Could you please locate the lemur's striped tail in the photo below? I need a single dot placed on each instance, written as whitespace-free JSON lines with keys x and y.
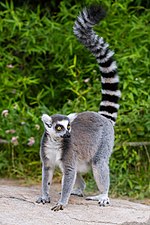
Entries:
{"x":83,"y":30}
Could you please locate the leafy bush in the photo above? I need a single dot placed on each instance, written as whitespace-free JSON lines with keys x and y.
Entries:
{"x":45,"y":70}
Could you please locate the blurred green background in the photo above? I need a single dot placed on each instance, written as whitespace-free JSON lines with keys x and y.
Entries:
{"x":44,"y":69}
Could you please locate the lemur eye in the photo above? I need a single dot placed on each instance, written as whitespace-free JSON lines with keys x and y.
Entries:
{"x":68,"y":127}
{"x":58,"y":127}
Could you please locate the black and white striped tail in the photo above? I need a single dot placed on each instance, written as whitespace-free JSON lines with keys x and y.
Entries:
{"x":83,"y":30}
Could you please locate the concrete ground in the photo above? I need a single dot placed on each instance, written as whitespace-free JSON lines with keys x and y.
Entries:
{"x":18,"y":207}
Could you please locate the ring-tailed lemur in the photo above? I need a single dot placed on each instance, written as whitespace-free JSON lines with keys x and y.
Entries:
{"x":77,"y":141}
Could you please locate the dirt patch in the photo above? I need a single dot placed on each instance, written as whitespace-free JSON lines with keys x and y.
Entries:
{"x":18,"y":207}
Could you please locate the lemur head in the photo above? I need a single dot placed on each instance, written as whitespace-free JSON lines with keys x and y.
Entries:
{"x":58,"y":126}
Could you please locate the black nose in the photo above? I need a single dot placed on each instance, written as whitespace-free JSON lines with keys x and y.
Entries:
{"x":66,"y":135}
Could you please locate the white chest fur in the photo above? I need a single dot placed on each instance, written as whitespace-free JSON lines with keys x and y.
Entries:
{"x":53,"y":152}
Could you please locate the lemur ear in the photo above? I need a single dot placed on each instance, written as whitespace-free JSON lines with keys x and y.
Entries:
{"x":72,"y":116}
{"x":46,"y":119}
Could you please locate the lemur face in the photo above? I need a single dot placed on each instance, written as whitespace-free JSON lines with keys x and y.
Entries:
{"x":58,"y":126}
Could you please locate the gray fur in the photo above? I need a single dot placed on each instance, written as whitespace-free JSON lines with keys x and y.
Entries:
{"x":90,"y":144}
{"x":79,"y":141}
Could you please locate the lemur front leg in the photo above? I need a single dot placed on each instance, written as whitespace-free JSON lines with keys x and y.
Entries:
{"x":47,"y":175}
{"x":101,"y":175}
{"x":68,"y":180}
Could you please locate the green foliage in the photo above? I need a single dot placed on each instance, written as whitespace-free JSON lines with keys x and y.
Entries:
{"x":45,"y":70}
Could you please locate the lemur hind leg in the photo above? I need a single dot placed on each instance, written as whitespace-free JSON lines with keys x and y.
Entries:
{"x":79,"y":186}
{"x":101,"y":175}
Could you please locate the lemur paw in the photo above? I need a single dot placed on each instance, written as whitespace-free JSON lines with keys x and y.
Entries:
{"x":43,"y":200}
{"x":103,"y":201}
{"x":58,"y":207}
